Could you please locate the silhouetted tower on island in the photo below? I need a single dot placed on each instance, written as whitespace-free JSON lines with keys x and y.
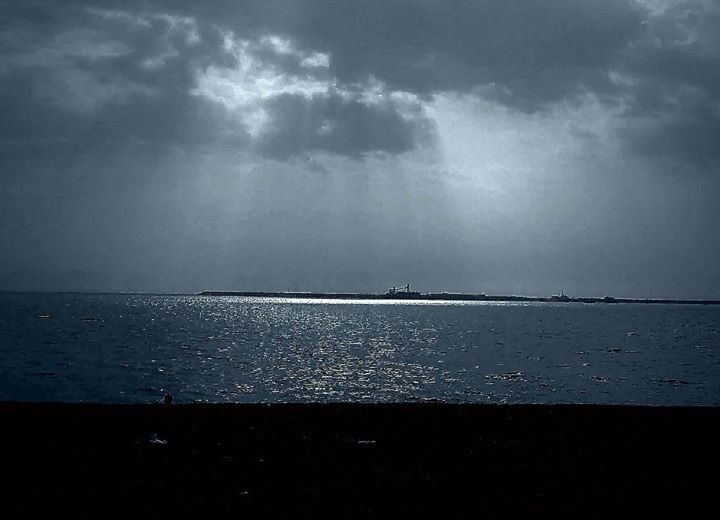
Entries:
{"x":394,"y":290}
{"x":404,"y":292}
{"x":562,"y":297}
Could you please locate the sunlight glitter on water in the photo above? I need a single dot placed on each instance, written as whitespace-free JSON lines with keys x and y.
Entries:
{"x":133,"y":348}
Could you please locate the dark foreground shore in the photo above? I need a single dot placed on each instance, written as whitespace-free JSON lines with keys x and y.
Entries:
{"x":340,"y":461}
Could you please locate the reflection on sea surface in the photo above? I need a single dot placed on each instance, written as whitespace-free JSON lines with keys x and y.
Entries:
{"x":133,"y":348}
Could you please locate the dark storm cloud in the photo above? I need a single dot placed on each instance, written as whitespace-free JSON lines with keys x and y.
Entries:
{"x":529,"y":53}
{"x":337,"y":125}
{"x":144,"y":58}
{"x":76,"y":84}
{"x":673,"y":101}
{"x":106,"y":77}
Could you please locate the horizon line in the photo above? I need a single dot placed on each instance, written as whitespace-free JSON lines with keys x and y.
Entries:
{"x":376,"y":295}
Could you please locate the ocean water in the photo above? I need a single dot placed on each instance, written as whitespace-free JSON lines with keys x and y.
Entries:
{"x":135,"y":348}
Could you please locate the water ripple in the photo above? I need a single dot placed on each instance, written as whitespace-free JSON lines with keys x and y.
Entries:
{"x":133,"y":348}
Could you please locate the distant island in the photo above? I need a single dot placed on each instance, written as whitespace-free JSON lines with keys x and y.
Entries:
{"x":407,"y":294}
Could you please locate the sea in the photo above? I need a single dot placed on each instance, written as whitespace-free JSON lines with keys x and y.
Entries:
{"x":128,"y":348}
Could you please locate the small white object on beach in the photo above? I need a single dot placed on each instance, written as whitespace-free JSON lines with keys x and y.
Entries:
{"x":154,"y":439}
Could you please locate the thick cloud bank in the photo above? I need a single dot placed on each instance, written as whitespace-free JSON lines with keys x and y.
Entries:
{"x":498,"y":145}
{"x":160,"y":78}
{"x":283,"y":77}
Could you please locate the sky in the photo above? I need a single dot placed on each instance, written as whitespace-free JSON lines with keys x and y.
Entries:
{"x":502,"y":146}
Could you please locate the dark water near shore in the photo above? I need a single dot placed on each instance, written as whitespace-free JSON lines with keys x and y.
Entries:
{"x":131,"y":348}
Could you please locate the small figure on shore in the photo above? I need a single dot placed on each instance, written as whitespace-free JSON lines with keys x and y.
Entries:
{"x":166,"y":422}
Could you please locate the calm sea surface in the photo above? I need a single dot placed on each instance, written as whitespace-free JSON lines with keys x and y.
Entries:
{"x":130,"y":348}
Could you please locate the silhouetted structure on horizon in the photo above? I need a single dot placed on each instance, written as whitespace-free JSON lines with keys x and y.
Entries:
{"x":394,"y":292}
{"x":562,"y":297}
{"x":406,"y":293}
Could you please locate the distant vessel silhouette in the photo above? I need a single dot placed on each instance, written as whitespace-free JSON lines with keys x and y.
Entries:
{"x":404,"y":292}
{"x":562,"y":297}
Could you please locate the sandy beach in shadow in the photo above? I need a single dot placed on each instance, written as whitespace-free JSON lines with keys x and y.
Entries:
{"x":352,"y":460}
